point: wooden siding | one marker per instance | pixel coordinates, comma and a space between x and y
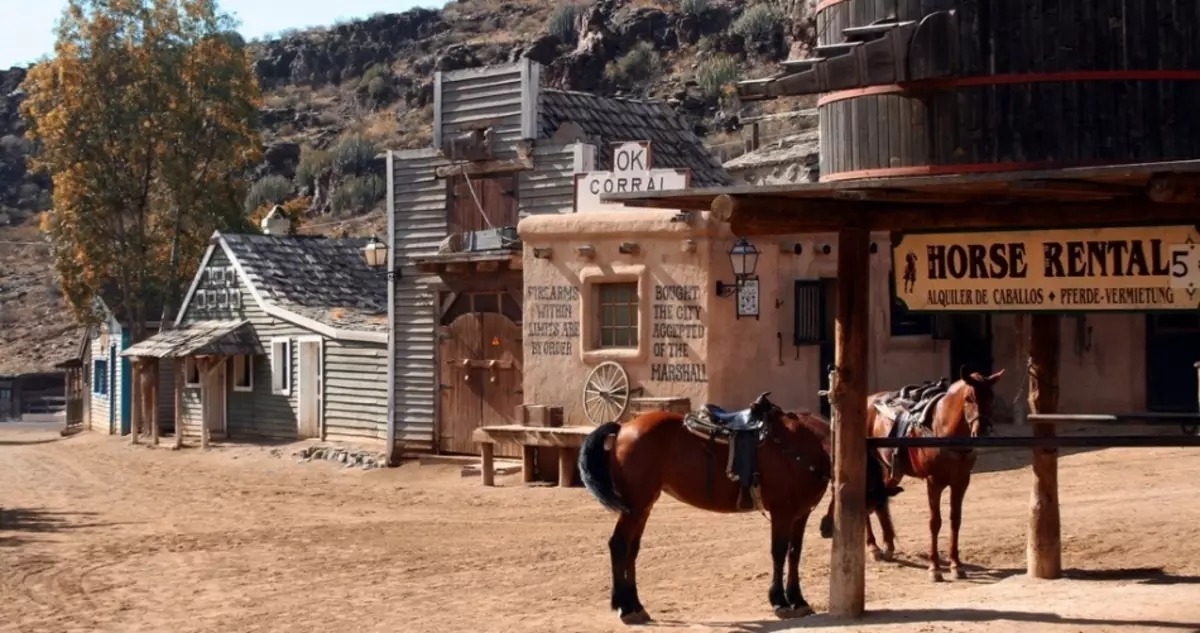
490, 95
259, 413
550, 186
418, 202
98, 412
355, 398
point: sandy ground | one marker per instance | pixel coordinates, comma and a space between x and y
98, 535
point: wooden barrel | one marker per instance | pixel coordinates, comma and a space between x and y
1037, 85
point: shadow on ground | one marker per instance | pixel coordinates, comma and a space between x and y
18, 524
1143, 575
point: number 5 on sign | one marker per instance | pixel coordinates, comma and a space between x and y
1185, 267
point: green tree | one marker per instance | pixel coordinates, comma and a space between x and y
145, 117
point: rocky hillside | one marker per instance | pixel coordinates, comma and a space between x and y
336, 96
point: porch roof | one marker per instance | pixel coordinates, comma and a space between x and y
201, 338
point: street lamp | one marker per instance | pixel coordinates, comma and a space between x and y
743, 257
376, 254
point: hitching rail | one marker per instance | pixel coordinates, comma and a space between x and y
1097, 441
1147, 419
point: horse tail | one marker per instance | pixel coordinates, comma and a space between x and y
594, 467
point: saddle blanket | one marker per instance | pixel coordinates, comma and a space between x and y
741, 465
912, 406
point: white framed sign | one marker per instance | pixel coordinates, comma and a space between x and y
747, 298
631, 173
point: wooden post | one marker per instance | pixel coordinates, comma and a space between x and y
487, 455
1044, 547
204, 366
847, 577
566, 466
155, 376
135, 398
179, 378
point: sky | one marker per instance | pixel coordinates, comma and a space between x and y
28, 31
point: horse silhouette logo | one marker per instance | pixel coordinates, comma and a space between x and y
910, 271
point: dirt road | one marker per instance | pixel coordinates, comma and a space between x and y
97, 535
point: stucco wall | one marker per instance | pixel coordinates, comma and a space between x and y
740, 358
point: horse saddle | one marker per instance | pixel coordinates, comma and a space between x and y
742, 431
909, 408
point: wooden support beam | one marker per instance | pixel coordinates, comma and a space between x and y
1043, 551
528, 463
135, 411
154, 377
1174, 188
566, 466
757, 215
847, 577
179, 386
487, 466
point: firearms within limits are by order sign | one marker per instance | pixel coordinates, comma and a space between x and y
1141, 268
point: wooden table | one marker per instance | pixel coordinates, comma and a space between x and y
567, 439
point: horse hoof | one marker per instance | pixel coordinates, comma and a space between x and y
802, 611
633, 619
887, 555
959, 574
935, 575
878, 555
827, 527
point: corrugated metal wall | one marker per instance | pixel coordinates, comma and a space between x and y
550, 186
418, 207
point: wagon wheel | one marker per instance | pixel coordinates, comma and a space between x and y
606, 393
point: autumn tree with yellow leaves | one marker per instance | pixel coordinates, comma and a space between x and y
145, 117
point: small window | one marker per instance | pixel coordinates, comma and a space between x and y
191, 373
5, 394
903, 322
618, 314
100, 377
281, 366
243, 373
810, 313
199, 299
218, 276
235, 298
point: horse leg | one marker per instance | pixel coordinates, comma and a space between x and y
622, 547
827, 520
958, 491
872, 546
795, 597
934, 488
884, 513
781, 539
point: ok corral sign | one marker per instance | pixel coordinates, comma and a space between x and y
1062, 270
631, 173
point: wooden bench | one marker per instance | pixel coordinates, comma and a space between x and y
567, 439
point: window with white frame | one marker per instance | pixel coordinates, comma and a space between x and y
243, 373
281, 366
191, 373
100, 377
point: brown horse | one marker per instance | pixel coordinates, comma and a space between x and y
627, 466
965, 410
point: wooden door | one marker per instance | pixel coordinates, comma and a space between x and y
502, 393
481, 203
462, 398
308, 382
1172, 350
213, 398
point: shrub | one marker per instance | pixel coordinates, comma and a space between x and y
640, 63
359, 193
273, 189
757, 23
562, 22
354, 154
715, 74
312, 163
693, 7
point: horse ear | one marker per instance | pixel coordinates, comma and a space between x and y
963, 374
995, 377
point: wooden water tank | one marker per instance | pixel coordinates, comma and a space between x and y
1010, 85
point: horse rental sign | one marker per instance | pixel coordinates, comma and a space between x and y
1146, 268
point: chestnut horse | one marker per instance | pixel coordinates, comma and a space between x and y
627, 466
965, 410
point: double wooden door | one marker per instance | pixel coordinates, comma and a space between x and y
480, 355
